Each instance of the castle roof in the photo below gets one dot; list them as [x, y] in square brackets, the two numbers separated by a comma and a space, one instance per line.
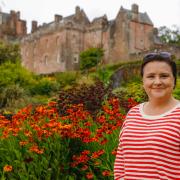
[142, 17]
[5, 17]
[104, 17]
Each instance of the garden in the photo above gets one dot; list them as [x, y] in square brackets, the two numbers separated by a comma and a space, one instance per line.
[64, 125]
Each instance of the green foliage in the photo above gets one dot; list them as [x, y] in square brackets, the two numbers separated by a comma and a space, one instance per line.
[43, 86]
[103, 74]
[114, 67]
[170, 36]
[133, 90]
[9, 52]
[90, 58]
[66, 78]
[12, 94]
[176, 92]
[11, 73]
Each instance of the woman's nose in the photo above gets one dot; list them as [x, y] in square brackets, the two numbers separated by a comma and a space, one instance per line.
[157, 80]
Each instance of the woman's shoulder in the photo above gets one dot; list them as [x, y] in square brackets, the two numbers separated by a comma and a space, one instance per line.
[135, 109]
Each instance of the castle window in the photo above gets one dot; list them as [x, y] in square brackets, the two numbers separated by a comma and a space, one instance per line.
[58, 58]
[46, 60]
[76, 58]
[142, 42]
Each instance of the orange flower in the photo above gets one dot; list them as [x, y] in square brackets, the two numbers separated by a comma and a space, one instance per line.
[97, 154]
[84, 168]
[97, 163]
[22, 143]
[7, 168]
[106, 173]
[114, 152]
[89, 175]
[27, 133]
[36, 149]
[104, 141]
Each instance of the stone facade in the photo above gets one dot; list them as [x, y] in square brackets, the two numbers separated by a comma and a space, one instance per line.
[11, 26]
[55, 47]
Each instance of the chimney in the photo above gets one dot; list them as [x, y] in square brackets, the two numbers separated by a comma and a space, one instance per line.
[77, 10]
[12, 12]
[57, 18]
[135, 12]
[135, 8]
[34, 26]
[18, 15]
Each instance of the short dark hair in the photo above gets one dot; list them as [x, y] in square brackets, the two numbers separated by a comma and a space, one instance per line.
[162, 57]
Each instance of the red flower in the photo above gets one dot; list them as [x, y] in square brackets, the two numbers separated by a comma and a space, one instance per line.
[84, 168]
[7, 168]
[89, 175]
[114, 152]
[23, 143]
[36, 149]
[106, 173]
[104, 141]
[97, 154]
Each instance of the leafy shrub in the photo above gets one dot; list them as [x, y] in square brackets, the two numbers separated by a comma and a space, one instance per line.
[176, 92]
[10, 95]
[90, 58]
[132, 90]
[11, 73]
[43, 86]
[89, 95]
[66, 78]
[9, 52]
[103, 74]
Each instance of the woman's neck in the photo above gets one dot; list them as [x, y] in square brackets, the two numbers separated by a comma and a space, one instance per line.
[162, 102]
[156, 107]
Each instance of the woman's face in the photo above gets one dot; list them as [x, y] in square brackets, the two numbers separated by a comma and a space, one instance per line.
[158, 80]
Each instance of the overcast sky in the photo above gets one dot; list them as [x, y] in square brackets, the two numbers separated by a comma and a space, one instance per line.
[161, 12]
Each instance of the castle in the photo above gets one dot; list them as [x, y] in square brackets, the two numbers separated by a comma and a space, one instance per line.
[55, 46]
[12, 28]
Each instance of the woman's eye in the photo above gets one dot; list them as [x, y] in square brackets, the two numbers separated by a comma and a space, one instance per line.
[164, 76]
[151, 76]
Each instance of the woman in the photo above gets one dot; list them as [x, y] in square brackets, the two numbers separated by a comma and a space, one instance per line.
[149, 147]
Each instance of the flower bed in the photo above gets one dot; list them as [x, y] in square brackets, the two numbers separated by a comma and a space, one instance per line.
[39, 144]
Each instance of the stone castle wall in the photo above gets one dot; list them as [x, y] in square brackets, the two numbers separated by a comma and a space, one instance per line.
[56, 46]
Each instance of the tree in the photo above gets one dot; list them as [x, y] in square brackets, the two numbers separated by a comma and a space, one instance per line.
[90, 58]
[9, 52]
[169, 36]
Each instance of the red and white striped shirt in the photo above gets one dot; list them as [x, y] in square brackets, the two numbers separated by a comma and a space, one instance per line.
[149, 147]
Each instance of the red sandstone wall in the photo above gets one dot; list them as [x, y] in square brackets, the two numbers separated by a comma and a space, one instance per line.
[140, 36]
